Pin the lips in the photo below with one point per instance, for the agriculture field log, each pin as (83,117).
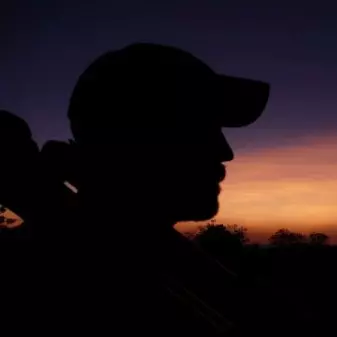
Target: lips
(222,172)
(208,174)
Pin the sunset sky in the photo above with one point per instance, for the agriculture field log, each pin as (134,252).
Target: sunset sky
(292,186)
(285,170)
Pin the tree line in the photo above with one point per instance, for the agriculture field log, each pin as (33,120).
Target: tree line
(236,236)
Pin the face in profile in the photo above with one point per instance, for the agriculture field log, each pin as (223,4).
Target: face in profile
(177,177)
(196,169)
(156,146)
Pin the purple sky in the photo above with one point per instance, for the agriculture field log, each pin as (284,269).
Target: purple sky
(45,45)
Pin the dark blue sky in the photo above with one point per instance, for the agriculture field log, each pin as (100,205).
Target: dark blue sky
(45,45)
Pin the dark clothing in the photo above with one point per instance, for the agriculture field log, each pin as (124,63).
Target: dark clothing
(99,290)
(148,292)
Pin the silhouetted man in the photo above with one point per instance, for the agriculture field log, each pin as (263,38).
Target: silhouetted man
(147,119)
(19,192)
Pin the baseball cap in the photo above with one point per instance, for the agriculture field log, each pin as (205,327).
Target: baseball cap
(148,83)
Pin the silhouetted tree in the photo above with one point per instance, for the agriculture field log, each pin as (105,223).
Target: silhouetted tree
(284,237)
(10,221)
(4,221)
(239,232)
(189,235)
(218,238)
(2,217)
(318,238)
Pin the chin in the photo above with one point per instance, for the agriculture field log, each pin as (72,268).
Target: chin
(201,212)
(206,214)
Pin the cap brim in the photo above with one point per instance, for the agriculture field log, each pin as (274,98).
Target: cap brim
(242,100)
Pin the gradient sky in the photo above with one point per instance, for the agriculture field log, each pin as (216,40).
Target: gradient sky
(285,163)
(292,186)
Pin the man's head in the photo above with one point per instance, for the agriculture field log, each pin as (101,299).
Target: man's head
(17,145)
(15,134)
(156,113)
(19,158)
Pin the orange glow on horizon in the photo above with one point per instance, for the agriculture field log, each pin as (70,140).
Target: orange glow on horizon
(289,186)
(292,186)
